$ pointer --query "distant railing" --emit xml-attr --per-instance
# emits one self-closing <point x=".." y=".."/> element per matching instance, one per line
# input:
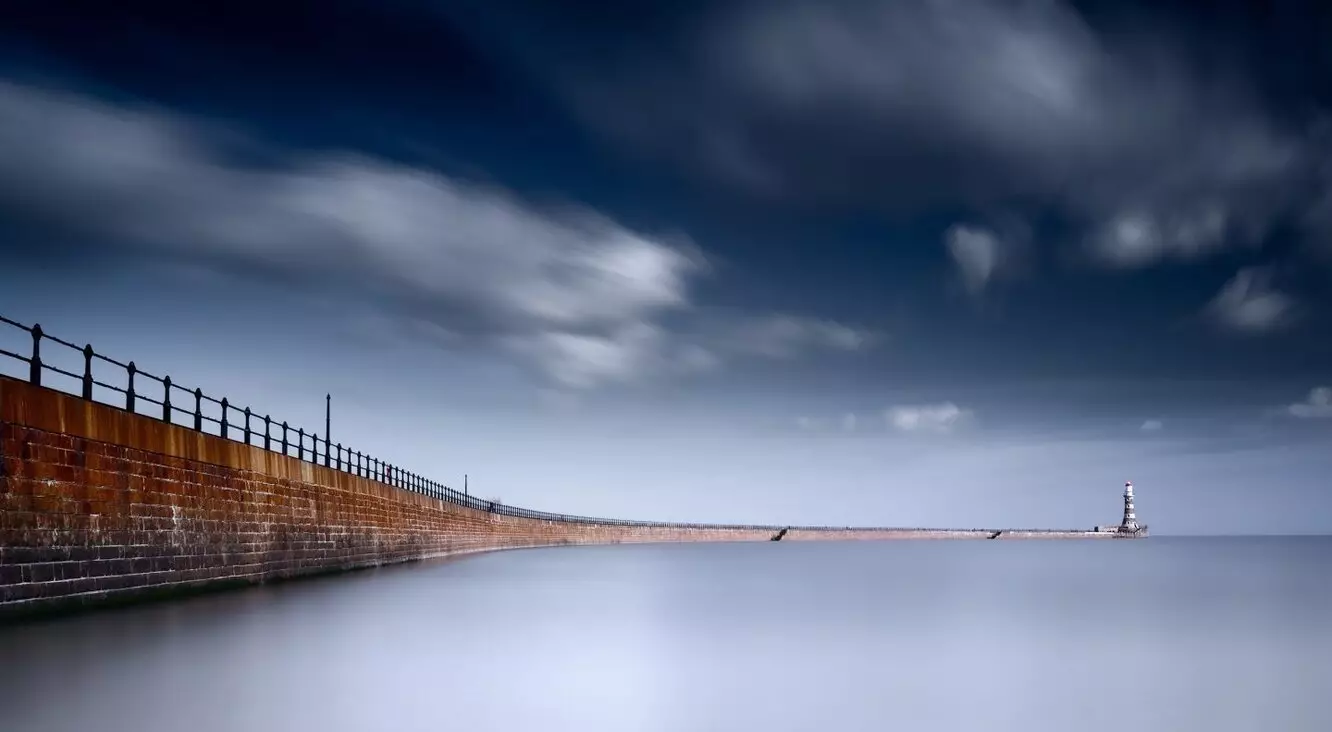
<point x="220" y="417"/>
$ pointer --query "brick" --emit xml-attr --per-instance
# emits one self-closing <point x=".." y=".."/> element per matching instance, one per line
<point x="116" y="518"/>
<point x="40" y="572"/>
<point x="11" y="574"/>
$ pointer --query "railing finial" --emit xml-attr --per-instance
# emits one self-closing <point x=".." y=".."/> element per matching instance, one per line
<point x="87" y="372"/>
<point x="35" y="363"/>
<point x="131" y="369"/>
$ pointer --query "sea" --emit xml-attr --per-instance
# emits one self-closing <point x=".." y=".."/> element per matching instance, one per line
<point x="1165" y="633"/>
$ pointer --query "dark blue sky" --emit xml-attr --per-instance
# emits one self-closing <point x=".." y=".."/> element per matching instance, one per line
<point x="788" y="260"/>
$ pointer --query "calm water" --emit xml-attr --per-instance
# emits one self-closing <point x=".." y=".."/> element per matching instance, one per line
<point x="1174" y="634"/>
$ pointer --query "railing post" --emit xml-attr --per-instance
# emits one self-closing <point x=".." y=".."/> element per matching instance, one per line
<point x="247" y="425"/>
<point x="35" y="363"/>
<point x="198" y="410"/>
<point x="87" y="371"/>
<point x="224" y="417"/>
<point x="284" y="438"/>
<point x="328" y="428"/>
<point x="129" y="390"/>
<point x="300" y="443"/>
<point x="268" y="439"/>
<point x="166" y="399"/>
<point x="338" y="464"/>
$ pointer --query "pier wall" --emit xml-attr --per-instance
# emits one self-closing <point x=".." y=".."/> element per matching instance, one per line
<point x="99" y="505"/>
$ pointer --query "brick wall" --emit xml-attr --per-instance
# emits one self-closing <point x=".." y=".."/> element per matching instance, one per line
<point x="98" y="505"/>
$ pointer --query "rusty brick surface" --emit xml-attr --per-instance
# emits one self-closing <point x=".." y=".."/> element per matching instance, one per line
<point x="97" y="504"/>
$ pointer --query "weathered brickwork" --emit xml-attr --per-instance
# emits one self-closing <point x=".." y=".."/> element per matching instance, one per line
<point x="86" y="520"/>
<point x="99" y="505"/>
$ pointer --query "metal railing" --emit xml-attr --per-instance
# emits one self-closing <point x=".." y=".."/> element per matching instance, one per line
<point x="171" y="401"/>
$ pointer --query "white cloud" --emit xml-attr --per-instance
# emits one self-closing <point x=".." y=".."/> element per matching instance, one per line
<point x="1248" y="303"/>
<point x="1152" y="425"/>
<point x="1317" y="405"/>
<point x="977" y="252"/>
<point x="1133" y="239"/>
<point x="943" y="417"/>
<point x="574" y="292"/>
<point x="782" y="335"/>
<point x="581" y="360"/>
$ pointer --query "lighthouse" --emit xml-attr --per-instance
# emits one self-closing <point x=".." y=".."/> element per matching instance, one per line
<point x="1130" y="523"/>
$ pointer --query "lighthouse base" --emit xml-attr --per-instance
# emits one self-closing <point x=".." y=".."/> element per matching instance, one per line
<point x="1121" y="532"/>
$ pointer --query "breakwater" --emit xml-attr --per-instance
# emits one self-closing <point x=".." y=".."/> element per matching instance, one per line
<point x="99" y="505"/>
<point x="102" y="503"/>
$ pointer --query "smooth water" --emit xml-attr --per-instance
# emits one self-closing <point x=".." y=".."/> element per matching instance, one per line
<point x="1161" y="634"/>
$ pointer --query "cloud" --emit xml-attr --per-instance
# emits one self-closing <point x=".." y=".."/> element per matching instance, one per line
<point x="977" y="253"/>
<point x="780" y="335"/>
<point x="582" y="360"/>
<point x="1136" y="239"/>
<point x="1152" y="425"/>
<point x="1317" y="405"/>
<point x="942" y="417"/>
<point x="920" y="103"/>
<point x="1249" y="303"/>
<point x="574" y="292"/>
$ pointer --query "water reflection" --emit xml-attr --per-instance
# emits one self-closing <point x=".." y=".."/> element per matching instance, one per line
<point x="1179" y="634"/>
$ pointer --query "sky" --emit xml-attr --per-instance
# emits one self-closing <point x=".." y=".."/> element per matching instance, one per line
<point x="919" y="263"/>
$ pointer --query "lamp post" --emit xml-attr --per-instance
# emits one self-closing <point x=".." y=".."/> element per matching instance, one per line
<point x="328" y="419"/>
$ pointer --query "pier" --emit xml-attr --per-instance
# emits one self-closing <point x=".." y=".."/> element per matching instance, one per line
<point x="167" y="490"/>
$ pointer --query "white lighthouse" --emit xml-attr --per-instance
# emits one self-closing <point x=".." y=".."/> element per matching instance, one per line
<point x="1130" y="522"/>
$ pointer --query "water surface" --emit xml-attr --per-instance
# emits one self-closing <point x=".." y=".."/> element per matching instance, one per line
<point x="1170" y="634"/>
